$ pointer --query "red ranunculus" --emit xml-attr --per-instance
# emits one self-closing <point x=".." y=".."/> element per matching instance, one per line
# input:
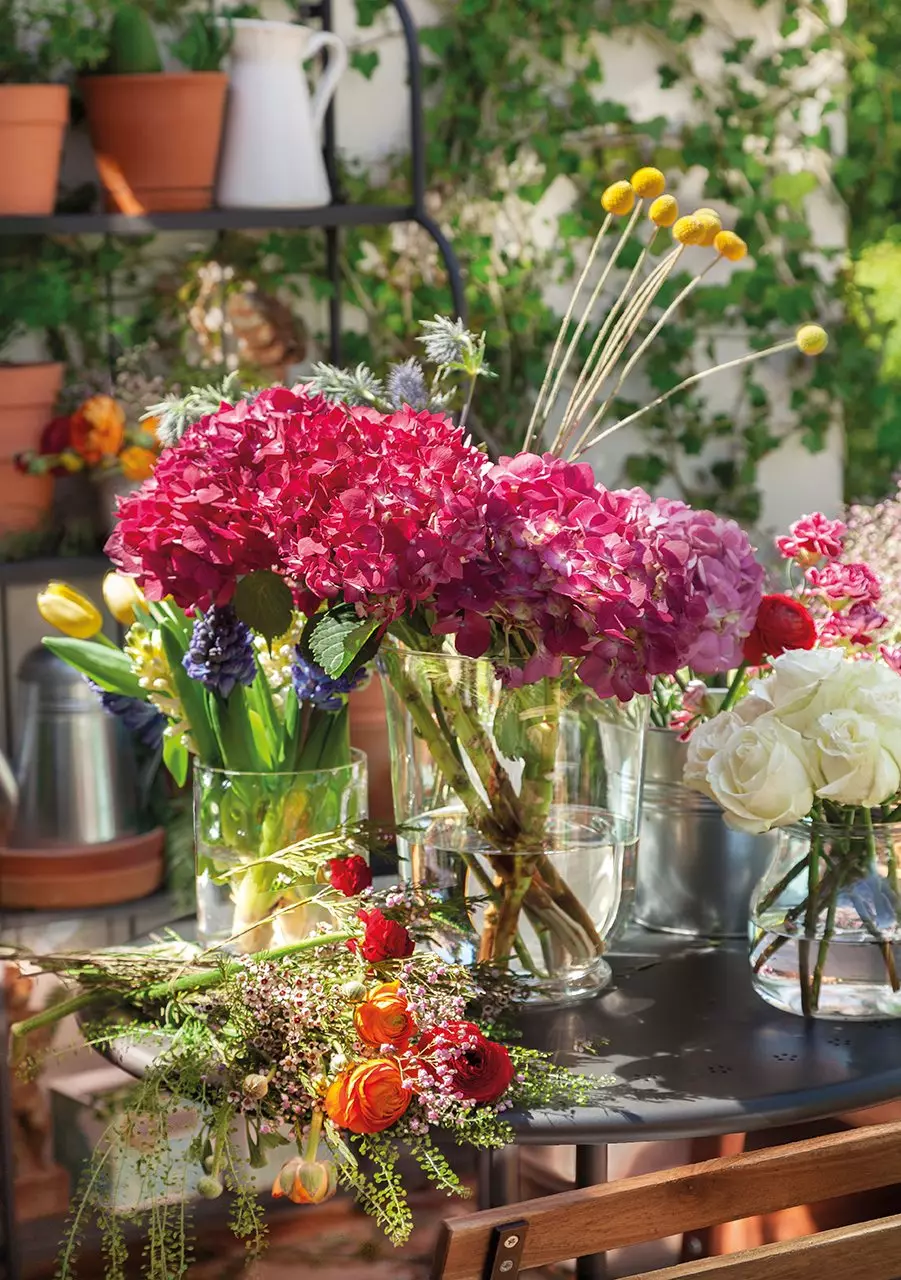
<point x="57" y="435"/>
<point x="384" y="939"/>
<point x="349" y="876"/>
<point x="481" y="1069"/>
<point x="782" y="624"/>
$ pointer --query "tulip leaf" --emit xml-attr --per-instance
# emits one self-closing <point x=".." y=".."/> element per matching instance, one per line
<point x="176" y="758"/>
<point x="337" y="638"/>
<point x="106" y="666"/>
<point x="264" y="602"/>
<point x="190" y="694"/>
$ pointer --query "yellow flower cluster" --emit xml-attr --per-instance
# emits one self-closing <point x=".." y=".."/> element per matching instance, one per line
<point x="703" y="228"/>
<point x="144" y="649"/>
<point x="276" y="663"/>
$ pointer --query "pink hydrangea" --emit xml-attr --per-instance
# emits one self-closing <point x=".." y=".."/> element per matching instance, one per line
<point x="712" y="586"/>
<point x="814" y="537"/>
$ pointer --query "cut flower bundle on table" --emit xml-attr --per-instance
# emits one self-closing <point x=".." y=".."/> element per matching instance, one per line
<point x="358" y="503"/>
<point x="343" y="1050"/>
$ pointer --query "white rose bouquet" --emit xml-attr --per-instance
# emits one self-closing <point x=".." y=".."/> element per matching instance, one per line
<point x="817" y="742"/>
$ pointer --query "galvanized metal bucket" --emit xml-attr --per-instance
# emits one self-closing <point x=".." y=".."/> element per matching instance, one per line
<point x="695" y="874"/>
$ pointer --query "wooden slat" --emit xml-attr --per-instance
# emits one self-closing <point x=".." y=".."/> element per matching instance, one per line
<point x="864" y="1251"/>
<point x="651" y="1206"/>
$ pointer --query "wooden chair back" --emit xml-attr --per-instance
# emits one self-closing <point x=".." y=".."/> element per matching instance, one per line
<point x="497" y="1243"/>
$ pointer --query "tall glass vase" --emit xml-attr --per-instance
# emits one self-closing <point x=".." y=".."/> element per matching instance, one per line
<point x="826" y="921"/>
<point x="240" y="818"/>
<point x="519" y="810"/>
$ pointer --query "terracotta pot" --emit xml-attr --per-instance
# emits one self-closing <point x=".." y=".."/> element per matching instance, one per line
<point x="27" y="395"/>
<point x="32" y="124"/>
<point x="96" y="875"/>
<point x="25" y="501"/>
<point x="369" y="732"/>
<point x="156" y="138"/>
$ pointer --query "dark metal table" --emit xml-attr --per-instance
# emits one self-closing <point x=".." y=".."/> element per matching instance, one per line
<point x="689" y="1050"/>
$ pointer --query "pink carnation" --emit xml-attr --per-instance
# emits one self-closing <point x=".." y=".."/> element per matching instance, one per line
<point x="812" y="538"/>
<point x="852" y="582"/>
<point x="891" y="656"/>
<point x="856" y="625"/>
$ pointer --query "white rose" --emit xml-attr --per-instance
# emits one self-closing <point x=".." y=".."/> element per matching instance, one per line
<point x="760" y="776"/>
<point x="803" y="684"/>
<point x="856" y="766"/>
<point x="707" y="739"/>
<point x="875" y="692"/>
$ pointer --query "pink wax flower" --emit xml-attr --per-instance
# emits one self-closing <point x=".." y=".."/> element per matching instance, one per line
<point x="812" y="538"/>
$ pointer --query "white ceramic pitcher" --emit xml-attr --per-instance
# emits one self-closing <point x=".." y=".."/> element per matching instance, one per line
<point x="271" y="149"/>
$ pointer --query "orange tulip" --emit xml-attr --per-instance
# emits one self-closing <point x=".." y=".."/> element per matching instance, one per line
<point x="384" y="1017"/>
<point x="306" y="1181"/>
<point x="368" y="1097"/>
<point x="98" y="429"/>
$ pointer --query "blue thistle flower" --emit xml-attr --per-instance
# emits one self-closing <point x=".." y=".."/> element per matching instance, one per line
<point x="140" y="718"/>
<point x="311" y="684"/>
<point x="220" y="654"/>
<point x="407" y="385"/>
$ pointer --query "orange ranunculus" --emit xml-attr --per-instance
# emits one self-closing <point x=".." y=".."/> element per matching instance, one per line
<point x="384" y="1017"/>
<point x="149" y="428"/>
<point x="137" y="463"/>
<point x="98" y="429"/>
<point x="368" y="1097"/>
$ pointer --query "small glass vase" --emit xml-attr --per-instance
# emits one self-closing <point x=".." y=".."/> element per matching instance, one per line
<point x="242" y="817"/>
<point x="825" y="924"/>
<point x="520" y="809"/>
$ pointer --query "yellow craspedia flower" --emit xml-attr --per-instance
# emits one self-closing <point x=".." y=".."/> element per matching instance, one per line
<point x="688" y="230"/>
<point x="664" y="211"/>
<point x="712" y="223"/>
<point x="618" y="198"/>
<point x="122" y="595"/>
<point x="69" y="611"/>
<point x="648" y="182"/>
<point x="729" y="245"/>
<point x="812" y="339"/>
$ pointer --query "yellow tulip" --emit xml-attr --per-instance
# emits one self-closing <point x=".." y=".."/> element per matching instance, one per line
<point x="69" y="611"/>
<point x="122" y="596"/>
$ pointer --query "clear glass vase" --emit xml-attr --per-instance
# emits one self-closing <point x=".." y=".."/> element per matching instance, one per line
<point x="520" y="815"/>
<point x="240" y="818"/>
<point x="825" y="923"/>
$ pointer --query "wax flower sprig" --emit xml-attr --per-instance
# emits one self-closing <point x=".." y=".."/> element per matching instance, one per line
<point x="341" y="1051"/>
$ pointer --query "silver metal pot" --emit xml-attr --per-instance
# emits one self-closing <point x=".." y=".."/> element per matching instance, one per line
<point x="695" y="874"/>
<point x="75" y="765"/>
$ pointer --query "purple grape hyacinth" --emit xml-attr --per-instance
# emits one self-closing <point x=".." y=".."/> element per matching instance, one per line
<point x="140" y="718"/>
<point x="313" y="685"/>
<point x="220" y="654"/>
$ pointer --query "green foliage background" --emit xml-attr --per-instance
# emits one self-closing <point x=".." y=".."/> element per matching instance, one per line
<point x="516" y="99"/>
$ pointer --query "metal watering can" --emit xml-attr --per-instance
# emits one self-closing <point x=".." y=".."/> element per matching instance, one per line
<point x="75" y="765"/>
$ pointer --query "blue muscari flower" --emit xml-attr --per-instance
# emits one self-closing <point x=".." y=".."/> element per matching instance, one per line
<point x="140" y="718"/>
<point x="220" y="654"/>
<point x="311" y="684"/>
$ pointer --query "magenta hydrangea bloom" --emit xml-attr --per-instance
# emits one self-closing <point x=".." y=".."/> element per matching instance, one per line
<point x="377" y="509"/>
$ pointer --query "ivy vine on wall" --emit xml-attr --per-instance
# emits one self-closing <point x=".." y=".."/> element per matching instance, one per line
<point x="517" y="100"/>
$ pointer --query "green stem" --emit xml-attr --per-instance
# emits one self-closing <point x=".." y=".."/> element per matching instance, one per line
<point x="186" y="982"/>
<point x="734" y="688"/>
<point x="312" y="1144"/>
<point x="778" y="889"/>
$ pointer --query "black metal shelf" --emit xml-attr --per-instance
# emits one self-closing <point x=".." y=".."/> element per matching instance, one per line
<point x="123" y="224"/>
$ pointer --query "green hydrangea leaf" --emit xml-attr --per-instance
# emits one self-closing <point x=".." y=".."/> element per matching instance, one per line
<point x="263" y="600"/>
